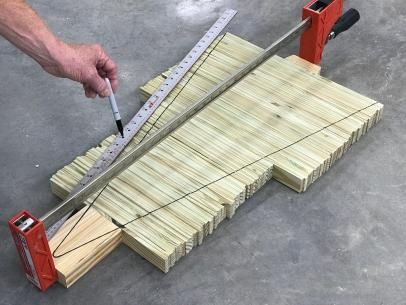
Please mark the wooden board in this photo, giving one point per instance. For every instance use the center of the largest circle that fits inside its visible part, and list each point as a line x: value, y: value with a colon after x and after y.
x: 280, y: 121
x: 308, y: 66
x: 72, y: 265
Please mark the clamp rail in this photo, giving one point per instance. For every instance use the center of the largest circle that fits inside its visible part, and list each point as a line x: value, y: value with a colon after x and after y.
x: 98, y: 182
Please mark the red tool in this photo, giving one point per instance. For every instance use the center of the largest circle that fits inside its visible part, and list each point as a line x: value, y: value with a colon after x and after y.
x: 327, y: 22
x: 32, y: 245
x: 322, y: 22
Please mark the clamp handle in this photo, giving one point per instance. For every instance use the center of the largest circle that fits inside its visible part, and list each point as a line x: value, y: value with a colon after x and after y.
x: 345, y: 22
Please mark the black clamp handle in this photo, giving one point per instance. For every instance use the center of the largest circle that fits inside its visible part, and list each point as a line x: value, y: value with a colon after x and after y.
x: 345, y: 22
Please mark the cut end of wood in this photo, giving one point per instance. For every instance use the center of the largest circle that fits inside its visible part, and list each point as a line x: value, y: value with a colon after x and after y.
x: 304, y: 64
x: 90, y: 241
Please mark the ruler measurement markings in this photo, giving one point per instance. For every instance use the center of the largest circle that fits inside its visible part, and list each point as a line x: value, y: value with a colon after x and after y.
x: 145, y: 146
x: 135, y: 124
x: 155, y: 100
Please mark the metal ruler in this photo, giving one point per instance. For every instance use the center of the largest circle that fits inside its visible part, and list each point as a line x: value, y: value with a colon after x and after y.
x: 146, y: 145
x: 135, y: 124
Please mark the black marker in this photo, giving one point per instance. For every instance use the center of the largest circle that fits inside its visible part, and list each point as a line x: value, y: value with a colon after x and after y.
x: 114, y: 108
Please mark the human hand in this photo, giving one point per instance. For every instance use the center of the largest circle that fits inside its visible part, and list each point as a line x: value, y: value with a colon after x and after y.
x: 87, y: 64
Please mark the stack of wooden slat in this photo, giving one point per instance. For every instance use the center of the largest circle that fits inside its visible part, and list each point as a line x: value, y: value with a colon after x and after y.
x: 281, y: 120
x: 71, y: 267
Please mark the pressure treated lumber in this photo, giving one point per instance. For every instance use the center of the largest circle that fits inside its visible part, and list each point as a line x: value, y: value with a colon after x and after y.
x: 147, y: 89
x: 308, y: 66
x: 280, y: 121
x: 358, y: 123
x: 73, y: 265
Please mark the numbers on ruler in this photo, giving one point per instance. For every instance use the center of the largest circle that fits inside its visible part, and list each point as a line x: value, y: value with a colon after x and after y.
x: 155, y: 100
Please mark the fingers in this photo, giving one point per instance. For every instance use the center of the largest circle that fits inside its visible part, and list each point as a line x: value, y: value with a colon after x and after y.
x: 89, y: 92
x: 89, y: 65
x: 96, y: 84
x: 106, y: 67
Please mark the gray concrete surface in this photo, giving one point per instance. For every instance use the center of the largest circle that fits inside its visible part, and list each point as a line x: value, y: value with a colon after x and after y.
x: 342, y: 242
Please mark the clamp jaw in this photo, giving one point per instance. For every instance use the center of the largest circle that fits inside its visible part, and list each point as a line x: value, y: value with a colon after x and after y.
x: 32, y: 245
x: 327, y: 22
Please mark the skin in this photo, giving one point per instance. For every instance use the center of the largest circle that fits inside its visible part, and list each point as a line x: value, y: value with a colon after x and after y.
x: 87, y: 64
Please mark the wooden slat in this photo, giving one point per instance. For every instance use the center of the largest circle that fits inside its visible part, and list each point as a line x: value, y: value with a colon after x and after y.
x: 74, y: 265
x: 307, y: 66
x: 281, y: 121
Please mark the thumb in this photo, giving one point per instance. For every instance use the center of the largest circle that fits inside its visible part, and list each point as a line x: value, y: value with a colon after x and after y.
x: 98, y: 84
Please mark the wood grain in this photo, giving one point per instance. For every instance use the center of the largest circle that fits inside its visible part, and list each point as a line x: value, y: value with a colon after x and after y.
x: 75, y: 264
x: 283, y: 120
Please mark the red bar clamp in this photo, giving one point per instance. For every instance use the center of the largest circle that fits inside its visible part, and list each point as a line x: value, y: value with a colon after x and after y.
x: 32, y: 245
x: 324, y: 14
x: 327, y: 22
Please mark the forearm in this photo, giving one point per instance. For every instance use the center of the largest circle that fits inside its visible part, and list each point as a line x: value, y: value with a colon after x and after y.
x: 87, y: 64
x: 24, y: 28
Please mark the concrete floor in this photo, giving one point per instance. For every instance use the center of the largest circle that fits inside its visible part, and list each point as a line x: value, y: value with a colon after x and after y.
x: 342, y: 242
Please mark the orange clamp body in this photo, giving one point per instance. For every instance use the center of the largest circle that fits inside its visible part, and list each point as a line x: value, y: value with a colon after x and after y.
x: 32, y: 245
x: 324, y: 14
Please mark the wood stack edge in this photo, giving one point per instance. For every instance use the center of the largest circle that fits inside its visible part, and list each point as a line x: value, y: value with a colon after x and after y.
x: 308, y: 124
x: 71, y: 266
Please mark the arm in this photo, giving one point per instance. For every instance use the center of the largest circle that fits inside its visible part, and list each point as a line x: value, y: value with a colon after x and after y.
x: 87, y: 64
